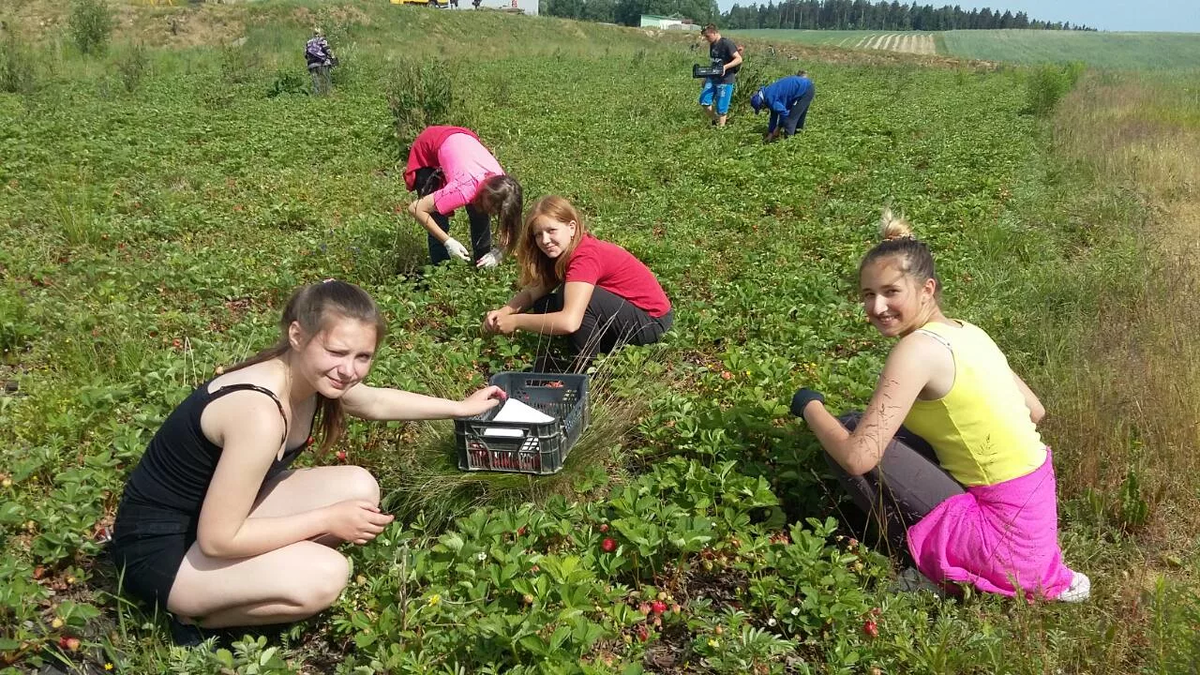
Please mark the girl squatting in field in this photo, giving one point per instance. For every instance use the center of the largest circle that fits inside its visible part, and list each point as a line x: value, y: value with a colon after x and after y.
x: 980, y: 508
x: 605, y: 296
x: 449, y: 168
x: 214, y: 527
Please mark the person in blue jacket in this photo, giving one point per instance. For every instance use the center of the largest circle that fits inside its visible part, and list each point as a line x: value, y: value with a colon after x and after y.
x: 788, y: 100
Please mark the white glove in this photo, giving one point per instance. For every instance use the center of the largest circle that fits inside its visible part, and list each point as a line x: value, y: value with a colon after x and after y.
x: 490, y: 259
x: 457, y: 250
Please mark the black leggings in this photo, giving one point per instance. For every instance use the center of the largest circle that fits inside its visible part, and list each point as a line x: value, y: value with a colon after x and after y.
x: 430, y: 180
x: 608, y: 322
x: 907, y: 484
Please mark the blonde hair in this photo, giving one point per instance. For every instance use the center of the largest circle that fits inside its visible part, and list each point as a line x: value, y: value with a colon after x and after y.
x: 536, y: 266
x: 892, y: 226
x: 912, y: 255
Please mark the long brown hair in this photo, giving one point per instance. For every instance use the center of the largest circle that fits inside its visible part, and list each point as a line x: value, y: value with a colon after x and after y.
x: 914, y: 256
x: 501, y: 196
x: 537, y: 267
x: 314, y: 307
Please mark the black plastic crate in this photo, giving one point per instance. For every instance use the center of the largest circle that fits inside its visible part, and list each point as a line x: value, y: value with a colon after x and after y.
x: 707, y: 71
x: 541, y: 448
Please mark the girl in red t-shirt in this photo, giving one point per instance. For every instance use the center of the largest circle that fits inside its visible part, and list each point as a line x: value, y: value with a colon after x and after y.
x: 605, y: 296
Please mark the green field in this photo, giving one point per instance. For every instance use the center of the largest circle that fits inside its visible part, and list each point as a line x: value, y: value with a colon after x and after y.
x: 160, y: 203
x: 832, y: 38
x: 1104, y: 50
x: 1128, y: 51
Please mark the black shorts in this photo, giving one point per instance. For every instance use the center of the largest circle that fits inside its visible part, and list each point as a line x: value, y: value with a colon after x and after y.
x: 148, y: 548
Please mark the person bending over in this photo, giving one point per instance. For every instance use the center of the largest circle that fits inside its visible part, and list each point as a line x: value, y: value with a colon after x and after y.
x: 213, y: 527
x: 978, y: 506
x: 787, y: 99
x: 449, y: 168
x: 595, y: 292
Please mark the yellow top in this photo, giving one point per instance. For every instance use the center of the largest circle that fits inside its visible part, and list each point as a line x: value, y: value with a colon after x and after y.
x: 980, y: 430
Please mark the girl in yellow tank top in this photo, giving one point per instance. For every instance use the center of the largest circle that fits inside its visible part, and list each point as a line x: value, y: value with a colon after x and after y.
x: 983, y: 510
x: 981, y: 429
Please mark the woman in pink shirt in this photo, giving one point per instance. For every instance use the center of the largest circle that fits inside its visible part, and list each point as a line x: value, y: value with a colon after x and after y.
x: 449, y: 168
x: 605, y: 296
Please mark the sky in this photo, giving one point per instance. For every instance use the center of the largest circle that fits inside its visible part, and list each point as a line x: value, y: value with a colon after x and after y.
x: 1152, y: 15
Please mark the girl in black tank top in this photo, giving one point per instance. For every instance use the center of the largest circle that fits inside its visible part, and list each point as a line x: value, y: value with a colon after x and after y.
x: 213, y: 527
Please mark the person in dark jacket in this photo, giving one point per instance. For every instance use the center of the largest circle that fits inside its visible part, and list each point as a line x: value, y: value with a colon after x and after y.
x: 788, y: 100
x: 320, y: 60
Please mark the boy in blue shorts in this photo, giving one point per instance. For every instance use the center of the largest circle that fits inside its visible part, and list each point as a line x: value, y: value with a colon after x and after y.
x: 718, y: 91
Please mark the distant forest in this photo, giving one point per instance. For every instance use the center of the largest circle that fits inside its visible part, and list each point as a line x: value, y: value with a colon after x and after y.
x: 804, y: 14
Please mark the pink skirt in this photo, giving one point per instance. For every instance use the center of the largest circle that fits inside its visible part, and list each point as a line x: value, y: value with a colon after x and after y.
x: 997, y: 538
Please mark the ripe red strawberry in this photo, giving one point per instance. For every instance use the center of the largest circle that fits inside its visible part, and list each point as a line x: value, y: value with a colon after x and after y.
x: 871, y: 629
x: 658, y: 606
x: 608, y: 545
x: 341, y: 455
x: 643, y: 633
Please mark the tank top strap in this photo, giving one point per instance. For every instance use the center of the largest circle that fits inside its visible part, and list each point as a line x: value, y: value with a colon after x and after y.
x: 246, y: 386
x: 936, y: 336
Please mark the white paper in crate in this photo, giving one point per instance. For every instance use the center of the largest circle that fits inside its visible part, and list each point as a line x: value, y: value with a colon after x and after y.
x: 515, y: 411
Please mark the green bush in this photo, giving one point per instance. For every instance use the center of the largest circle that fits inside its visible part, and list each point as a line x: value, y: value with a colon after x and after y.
x: 18, y: 68
x: 1048, y: 84
x: 91, y: 25
x: 418, y: 96
x: 132, y: 65
x: 287, y: 82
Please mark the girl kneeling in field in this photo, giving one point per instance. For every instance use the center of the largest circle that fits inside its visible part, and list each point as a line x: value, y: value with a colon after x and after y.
x: 605, y: 296
x: 449, y: 168
x: 213, y: 526
x: 980, y: 508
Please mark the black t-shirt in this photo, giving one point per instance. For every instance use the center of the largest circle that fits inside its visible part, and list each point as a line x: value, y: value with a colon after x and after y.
x: 721, y: 52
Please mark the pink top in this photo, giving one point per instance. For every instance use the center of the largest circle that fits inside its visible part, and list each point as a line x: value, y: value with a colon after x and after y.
x: 466, y: 163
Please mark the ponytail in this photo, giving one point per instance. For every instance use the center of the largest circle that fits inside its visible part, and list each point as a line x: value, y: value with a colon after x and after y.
x: 914, y: 257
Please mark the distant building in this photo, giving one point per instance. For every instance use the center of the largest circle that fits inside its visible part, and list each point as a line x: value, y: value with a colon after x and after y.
x: 668, y: 23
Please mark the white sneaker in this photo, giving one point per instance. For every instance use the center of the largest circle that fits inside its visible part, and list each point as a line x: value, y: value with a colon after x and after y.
x: 1079, y: 590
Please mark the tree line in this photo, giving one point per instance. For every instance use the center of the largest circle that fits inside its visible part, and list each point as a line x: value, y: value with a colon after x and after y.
x: 805, y: 14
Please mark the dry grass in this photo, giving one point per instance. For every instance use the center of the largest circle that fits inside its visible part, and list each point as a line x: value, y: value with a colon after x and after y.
x: 1129, y: 399
x: 427, y: 479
